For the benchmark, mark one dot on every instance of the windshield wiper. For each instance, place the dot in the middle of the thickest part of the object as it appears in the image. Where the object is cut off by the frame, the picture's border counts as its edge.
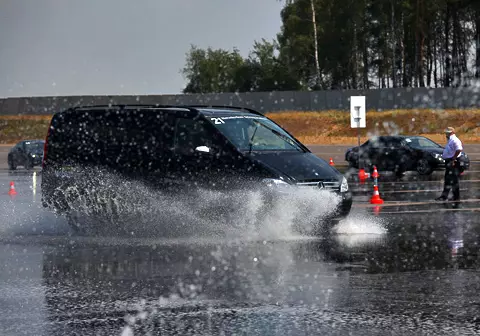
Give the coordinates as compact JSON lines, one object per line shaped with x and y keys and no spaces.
{"x":283,"y":137}
{"x":277,"y":133}
{"x":250,"y":144}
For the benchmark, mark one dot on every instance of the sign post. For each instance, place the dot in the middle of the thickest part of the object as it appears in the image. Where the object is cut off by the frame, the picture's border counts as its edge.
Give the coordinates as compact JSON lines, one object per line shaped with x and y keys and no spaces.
{"x":358,"y":118}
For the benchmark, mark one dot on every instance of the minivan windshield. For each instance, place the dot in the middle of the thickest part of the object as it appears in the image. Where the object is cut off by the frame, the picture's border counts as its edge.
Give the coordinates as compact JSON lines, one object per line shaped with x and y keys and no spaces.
{"x":249,"y":133}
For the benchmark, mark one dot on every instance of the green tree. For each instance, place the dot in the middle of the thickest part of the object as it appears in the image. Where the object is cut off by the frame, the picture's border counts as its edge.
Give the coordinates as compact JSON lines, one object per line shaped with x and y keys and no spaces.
{"x":297,"y":44}
{"x":267,"y":70}
{"x":351,"y":44}
{"x":214,"y":70}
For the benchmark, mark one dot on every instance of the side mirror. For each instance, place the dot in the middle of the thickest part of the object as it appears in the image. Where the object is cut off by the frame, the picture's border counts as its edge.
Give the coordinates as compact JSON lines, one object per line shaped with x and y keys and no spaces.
{"x":203,"y":149}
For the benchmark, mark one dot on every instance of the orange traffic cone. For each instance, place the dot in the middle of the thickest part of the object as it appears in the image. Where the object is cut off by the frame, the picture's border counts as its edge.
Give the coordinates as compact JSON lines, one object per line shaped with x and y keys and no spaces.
{"x":331,"y":162}
{"x":12,"y":190}
{"x":362,"y":176}
{"x":376,"y":196}
{"x":375,"y":173}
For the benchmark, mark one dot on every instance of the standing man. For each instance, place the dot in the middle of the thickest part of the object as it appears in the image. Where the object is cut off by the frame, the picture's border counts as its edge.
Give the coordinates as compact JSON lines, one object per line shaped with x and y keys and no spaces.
{"x":452,"y":169}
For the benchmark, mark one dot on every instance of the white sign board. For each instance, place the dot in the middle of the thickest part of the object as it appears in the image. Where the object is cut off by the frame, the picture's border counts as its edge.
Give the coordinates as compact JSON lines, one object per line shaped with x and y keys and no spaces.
{"x":358,"y":117}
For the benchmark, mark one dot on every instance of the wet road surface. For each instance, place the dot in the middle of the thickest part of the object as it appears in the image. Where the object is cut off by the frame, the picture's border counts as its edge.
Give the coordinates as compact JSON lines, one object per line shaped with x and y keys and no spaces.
{"x":408,"y":267}
{"x":336,"y":152}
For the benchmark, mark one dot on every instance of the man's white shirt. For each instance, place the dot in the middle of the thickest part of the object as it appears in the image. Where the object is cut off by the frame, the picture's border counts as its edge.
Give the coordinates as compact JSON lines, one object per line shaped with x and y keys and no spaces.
{"x":452,"y":146}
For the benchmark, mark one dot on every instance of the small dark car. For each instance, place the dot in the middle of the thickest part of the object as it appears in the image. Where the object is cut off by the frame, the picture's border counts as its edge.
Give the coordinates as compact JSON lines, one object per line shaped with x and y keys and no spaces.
{"x":401,"y":153}
{"x":179,"y":149}
{"x":27,"y":153}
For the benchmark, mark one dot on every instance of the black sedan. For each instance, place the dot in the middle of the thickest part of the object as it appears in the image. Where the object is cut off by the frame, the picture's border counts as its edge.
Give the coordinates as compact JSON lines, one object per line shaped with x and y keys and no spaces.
{"x":27,"y":153}
{"x":400,"y":154}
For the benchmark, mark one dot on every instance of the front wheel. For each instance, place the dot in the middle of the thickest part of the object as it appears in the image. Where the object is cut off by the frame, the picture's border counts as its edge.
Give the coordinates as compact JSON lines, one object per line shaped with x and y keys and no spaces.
{"x":424,"y":167}
{"x":28,"y":164}
{"x":11,"y":164}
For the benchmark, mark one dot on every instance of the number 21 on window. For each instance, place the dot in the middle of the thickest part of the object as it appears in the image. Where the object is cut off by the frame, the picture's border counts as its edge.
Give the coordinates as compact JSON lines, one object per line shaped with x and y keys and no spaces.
{"x":218,"y":121}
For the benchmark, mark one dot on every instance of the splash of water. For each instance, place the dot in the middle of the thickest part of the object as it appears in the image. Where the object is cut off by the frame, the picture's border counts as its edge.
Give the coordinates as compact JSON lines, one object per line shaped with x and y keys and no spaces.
{"x":133,"y":208}
{"x":357,"y":230}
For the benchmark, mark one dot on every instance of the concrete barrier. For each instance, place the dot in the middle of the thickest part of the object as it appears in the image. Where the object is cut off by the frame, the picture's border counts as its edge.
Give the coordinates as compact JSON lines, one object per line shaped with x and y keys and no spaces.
{"x":377,"y":99}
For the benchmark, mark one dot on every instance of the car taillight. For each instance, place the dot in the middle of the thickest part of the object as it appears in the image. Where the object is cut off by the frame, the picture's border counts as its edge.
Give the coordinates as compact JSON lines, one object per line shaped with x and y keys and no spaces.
{"x":44,"y":152}
{"x":45,"y":145}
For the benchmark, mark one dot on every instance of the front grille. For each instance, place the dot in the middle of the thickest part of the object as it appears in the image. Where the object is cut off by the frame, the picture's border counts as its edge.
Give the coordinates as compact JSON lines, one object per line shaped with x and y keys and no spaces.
{"x":327,"y":185}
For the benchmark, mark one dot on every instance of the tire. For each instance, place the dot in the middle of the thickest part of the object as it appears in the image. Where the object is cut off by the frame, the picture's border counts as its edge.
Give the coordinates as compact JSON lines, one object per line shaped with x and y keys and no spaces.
{"x":424,"y":167}
{"x":28,"y":165}
{"x":324,"y":229}
{"x":399,"y":172}
{"x":76,"y":225}
{"x":11,"y":164}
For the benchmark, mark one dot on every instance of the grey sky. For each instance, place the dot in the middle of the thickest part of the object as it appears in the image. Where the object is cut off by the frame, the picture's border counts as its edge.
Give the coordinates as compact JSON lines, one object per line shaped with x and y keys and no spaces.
{"x":80,"y":47}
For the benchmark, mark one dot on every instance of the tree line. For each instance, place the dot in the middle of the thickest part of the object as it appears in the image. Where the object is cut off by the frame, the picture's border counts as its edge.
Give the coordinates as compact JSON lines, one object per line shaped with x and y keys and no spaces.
{"x":350,"y":44}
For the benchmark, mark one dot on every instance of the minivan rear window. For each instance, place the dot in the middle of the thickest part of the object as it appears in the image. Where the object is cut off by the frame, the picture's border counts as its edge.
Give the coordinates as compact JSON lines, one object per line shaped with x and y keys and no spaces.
{"x":259,"y":132}
{"x":108,"y":137}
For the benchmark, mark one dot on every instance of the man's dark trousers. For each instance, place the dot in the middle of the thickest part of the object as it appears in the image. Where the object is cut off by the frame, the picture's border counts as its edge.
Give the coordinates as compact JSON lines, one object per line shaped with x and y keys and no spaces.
{"x":452,"y":175}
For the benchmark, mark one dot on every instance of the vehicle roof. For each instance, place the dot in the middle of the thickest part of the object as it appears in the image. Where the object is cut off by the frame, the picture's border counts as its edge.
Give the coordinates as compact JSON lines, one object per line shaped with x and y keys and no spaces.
{"x":225,"y":112}
{"x":35,"y":140}
{"x":207,"y":110}
{"x":397,"y":136}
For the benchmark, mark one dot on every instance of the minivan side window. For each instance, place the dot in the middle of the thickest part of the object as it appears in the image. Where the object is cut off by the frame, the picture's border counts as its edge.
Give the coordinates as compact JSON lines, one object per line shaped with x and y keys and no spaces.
{"x":189,"y":134}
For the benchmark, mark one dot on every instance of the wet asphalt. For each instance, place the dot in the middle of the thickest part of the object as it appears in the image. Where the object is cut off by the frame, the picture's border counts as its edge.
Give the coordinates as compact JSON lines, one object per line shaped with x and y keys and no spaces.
{"x":407,"y":267}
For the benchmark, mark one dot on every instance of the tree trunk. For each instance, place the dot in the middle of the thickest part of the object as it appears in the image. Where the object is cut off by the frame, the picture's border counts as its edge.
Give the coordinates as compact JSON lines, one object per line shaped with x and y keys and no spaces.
{"x":421,"y":45}
{"x":429,"y":62}
{"x":354,"y":57}
{"x":366,"y":82}
{"x":402,"y":48}
{"x":416,"y":45}
{"x":455,"y":52}
{"x":448,"y":62}
{"x":317,"y":63}
{"x":382,"y":74}
{"x":477,"y":41}
{"x":435,"y":60}
{"x":394,"y":63}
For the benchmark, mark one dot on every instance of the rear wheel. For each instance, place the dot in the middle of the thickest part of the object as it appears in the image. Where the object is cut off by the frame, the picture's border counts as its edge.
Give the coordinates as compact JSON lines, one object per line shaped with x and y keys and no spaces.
{"x":424,"y":167}
{"x":399,"y":171}
{"x":326,"y":229}
{"x":352,"y":164}
{"x":76,"y":224}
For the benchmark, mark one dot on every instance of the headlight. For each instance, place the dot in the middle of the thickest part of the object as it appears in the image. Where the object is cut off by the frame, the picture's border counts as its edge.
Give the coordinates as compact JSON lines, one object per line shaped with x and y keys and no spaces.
{"x":438,"y":156}
{"x":344,"y":186}
{"x":276,"y":183}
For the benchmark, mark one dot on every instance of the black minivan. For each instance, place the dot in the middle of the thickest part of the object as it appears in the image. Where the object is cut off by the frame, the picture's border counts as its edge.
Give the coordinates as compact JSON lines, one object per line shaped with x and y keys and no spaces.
{"x":179,"y":149}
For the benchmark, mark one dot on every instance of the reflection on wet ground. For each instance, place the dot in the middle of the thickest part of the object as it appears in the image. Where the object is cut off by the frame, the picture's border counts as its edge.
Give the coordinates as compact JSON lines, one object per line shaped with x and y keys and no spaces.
{"x":409,"y":267}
